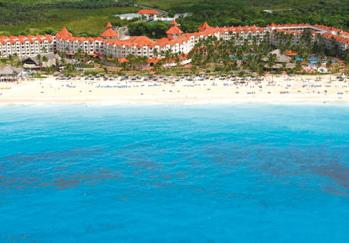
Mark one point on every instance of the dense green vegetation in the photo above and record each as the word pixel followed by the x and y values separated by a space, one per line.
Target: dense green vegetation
pixel 46 16
pixel 250 12
pixel 88 16
pixel 152 29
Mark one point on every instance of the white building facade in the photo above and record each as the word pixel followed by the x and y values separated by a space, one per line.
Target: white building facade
pixel 111 44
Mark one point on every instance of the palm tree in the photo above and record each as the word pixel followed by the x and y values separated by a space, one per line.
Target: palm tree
pixel 271 60
pixel 156 52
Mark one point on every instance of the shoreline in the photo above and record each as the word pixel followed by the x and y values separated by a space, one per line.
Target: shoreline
pixel 299 102
pixel 272 90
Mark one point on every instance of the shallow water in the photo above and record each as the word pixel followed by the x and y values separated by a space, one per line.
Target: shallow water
pixel 174 173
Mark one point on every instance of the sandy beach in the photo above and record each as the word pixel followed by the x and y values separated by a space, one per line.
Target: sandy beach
pixel 175 90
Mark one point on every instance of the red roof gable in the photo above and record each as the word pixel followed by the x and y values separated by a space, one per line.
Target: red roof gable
pixel 174 30
pixel 110 33
pixel 204 27
pixel 64 33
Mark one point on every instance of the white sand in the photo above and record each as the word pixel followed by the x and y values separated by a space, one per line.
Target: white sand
pixel 271 89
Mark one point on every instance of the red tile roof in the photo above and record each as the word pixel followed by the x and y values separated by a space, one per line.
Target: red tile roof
pixel 170 41
pixel 122 60
pixel 138 41
pixel 340 39
pixel 291 53
pixel 148 12
pixel 153 60
pixel 290 25
pixel 23 39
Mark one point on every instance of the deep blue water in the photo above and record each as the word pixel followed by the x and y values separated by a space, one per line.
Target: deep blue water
pixel 174 174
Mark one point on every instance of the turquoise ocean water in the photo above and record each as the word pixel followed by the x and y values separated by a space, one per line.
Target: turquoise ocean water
pixel 242 173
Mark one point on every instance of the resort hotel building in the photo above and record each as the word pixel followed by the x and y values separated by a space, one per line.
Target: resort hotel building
pixel 111 44
pixel 26 45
